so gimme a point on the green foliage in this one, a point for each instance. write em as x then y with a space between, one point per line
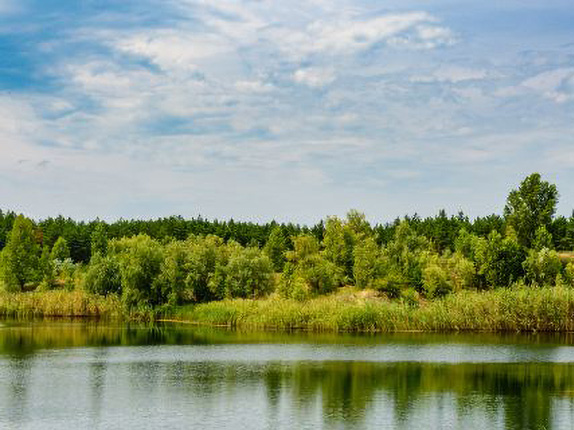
47 269
504 309
462 272
338 245
60 250
410 297
304 246
249 274
174 270
542 239
20 260
358 224
207 259
276 247
320 275
403 258
103 275
140 258
569 274
436 281
392 285
531 206
542 267
499 260
367 263
99 240
292 285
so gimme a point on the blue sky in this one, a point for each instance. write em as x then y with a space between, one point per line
288 110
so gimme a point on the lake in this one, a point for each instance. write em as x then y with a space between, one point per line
80 375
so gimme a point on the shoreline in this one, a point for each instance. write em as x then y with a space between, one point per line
504 310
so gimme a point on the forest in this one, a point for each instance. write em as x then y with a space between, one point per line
169 262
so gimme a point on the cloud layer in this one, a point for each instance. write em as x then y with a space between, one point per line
260 110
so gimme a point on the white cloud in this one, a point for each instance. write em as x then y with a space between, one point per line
556 85
314 77
453 74
254 86
173 50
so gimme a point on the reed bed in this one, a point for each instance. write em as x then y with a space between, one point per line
59 304
519 309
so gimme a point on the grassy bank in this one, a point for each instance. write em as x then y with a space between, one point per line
517 309
59 304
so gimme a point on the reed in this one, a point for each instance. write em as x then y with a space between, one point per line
519 309
59 303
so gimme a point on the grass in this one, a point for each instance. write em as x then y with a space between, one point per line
519 309
59 304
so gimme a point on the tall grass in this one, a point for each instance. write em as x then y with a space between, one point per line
511 309
59 303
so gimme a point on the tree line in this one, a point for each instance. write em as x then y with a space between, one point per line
173 260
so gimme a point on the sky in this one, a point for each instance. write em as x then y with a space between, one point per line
258 110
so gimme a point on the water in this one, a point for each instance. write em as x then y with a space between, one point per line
61 375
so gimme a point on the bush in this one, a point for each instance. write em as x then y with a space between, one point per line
569 274
392 285
292 285
140 258
436 281
542 266
174 268
462 272
103 276
500 260
367 265
249 274
410 297
207 258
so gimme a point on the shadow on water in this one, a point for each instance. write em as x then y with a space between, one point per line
285 394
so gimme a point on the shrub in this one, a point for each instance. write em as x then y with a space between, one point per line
103 276
410 297
542 266
367 266
436 281
249 274
140 258
292 285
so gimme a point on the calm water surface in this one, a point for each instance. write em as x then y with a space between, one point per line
70 375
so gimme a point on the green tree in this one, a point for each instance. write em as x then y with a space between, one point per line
306 263
99 240
542 267
338 243
542 239
20 258
500 260
60 250
367 266
103 275
47 269
531 206
249 274
140 258
276 247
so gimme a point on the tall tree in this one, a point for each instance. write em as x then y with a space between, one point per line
60 250
20 258
276 247
530 207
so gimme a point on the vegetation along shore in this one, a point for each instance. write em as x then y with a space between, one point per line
509 272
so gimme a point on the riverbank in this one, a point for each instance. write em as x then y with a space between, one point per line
520 309
60 304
